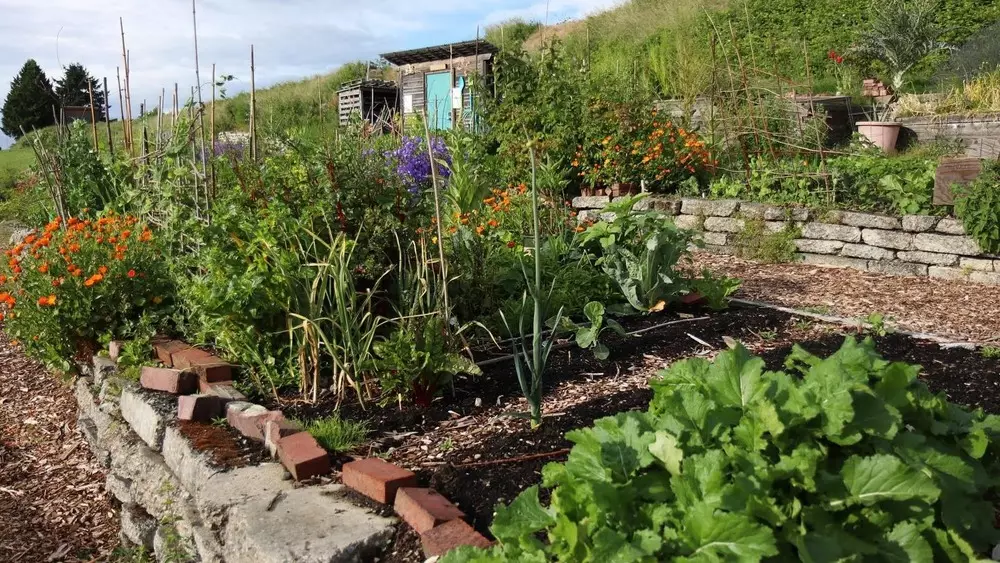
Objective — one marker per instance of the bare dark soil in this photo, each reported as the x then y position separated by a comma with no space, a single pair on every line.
228,448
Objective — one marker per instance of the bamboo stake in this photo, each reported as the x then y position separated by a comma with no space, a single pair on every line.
93,115
159,122
437,213
177,109
212,136
121,109
197,76
127,122
253,109
107,118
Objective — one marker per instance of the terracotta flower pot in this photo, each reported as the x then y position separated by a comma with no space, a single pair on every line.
882,134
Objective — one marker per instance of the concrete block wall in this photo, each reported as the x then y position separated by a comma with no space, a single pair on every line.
911,245
175,502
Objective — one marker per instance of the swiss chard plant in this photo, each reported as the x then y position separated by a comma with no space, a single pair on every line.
844,458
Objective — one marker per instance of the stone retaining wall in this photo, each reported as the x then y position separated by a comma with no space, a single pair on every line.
178,504
912,245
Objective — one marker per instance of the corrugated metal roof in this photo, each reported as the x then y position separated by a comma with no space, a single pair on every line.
441,52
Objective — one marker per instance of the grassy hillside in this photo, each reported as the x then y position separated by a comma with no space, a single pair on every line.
669,45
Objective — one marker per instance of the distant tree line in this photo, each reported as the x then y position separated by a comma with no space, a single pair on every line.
33,102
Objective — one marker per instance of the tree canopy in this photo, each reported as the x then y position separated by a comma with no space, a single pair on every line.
72,89
30,101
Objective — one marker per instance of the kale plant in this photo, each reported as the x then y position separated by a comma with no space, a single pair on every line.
847,458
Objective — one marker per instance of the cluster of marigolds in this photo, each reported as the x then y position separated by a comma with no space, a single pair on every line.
61,258
659,152
506,216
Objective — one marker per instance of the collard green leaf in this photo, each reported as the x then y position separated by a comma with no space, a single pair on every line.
883,477
907,544
665,449
711,535
516,524
735,378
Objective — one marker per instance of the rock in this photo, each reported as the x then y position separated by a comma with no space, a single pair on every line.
169,545
146,420
689,222
799,213
986,278
225,490
775,226
919,223
709,207
191,467
119,487
946,244
103,367
138,526
834,261
950,226
724,225
869,221
716,239
865,251
307,525
932,258
758,211
591,202
897,268
888,239
952,274
977,264
824,231
668,206
150,482
818,246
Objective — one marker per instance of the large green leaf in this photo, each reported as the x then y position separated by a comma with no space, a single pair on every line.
735,378
518,522
711,536
883,477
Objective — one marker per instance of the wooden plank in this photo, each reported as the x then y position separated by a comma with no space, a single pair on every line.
951,171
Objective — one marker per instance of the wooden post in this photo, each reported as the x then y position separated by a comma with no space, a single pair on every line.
127,121
176,110
451,67
107,118
253,109
93,115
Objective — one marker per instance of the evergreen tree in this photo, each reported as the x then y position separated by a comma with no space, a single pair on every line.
29,103
72,90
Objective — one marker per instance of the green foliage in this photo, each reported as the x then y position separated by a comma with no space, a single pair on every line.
30,102
588,336
978,206
849,456
639,251
715,290
877,325
756,242
992,352
902,33
339,435
417,360
75,89
511,34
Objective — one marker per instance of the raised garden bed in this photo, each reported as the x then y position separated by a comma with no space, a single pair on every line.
469,448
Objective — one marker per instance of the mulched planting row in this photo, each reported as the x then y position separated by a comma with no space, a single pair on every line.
53,506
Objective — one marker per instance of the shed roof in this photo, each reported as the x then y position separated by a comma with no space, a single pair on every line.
441,52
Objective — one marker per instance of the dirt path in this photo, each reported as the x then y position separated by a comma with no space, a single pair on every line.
53,506
961,310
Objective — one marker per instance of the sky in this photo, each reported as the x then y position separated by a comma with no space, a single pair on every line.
292,39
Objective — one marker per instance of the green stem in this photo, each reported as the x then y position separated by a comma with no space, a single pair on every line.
536,339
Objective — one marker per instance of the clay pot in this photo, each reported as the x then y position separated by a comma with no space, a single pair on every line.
882,134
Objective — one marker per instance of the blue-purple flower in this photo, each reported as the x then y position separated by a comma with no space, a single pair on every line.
413,164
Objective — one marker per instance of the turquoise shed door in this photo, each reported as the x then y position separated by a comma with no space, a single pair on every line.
438,100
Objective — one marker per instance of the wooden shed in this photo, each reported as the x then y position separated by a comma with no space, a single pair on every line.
374,100
439,81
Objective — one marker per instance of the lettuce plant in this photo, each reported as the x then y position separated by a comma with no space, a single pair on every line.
847,458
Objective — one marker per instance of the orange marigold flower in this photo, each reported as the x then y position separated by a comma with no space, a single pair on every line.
126,234
44,268
493,223
42,301
51,300
3,279
1,317
103,270
57,282
480,229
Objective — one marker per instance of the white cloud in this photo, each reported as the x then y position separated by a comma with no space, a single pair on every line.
292,38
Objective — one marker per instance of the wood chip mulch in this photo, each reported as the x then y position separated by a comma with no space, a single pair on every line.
53,506
957,309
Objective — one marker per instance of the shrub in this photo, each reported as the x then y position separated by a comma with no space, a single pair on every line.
978,206
848,457
755,242
68,285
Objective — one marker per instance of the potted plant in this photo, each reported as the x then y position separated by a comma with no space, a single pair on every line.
902,33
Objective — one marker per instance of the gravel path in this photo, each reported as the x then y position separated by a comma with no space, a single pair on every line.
961,310
53,506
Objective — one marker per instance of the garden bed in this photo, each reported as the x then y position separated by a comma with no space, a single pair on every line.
227,447
479,456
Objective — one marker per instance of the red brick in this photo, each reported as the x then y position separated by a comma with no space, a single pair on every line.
275,430
302,456
212,369
377,479
185,358
223,390
456,533
250,422
423,509
115,349
199,408
170,380
165,349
